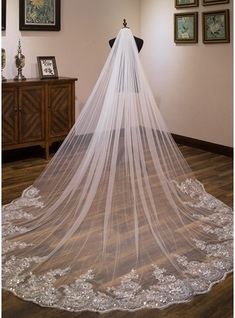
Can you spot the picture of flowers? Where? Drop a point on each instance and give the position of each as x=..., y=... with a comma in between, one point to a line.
x=216, y=27
x=186, y=27
x=186, y=3
x=213, y=2
x=40, y=15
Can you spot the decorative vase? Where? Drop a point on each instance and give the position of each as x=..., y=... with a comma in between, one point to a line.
x=3, y=63
x=20, y=63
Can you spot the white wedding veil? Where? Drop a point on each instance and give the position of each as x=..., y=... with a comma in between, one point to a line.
x=117, y=220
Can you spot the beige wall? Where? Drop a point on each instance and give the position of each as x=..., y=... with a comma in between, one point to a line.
x=80, y=48
x=191, y=83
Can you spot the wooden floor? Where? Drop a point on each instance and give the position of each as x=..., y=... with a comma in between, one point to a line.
x=214, y=171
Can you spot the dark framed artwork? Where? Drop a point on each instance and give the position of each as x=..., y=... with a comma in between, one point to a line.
x=186, y=27
x=181, y=4
x=215, y=25
x=39, y=15
x=4, y=15
x=213, y=2
x=47, y=67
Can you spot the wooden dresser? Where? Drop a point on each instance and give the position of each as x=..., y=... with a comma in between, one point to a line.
x=37, y=112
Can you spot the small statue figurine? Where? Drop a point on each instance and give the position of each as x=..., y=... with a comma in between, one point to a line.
x=3, y=63
x=20, y=63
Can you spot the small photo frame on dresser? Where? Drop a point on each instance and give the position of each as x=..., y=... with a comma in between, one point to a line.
x=47, y=67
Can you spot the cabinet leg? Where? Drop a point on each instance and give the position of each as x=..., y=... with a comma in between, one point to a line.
x=47, y=152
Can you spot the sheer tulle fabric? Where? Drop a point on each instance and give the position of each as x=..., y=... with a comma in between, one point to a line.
x=117, y=220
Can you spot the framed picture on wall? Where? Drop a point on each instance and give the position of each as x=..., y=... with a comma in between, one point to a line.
x=216, y=27
x=47, y=67
x=3, y=15
x=181, y=4
x=213, y=2
x=39, y=15
x=186, y=27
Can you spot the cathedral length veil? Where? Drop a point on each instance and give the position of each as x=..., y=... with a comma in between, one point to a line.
x=117, y=220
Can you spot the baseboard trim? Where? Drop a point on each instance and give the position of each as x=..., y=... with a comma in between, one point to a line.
x=204, y=145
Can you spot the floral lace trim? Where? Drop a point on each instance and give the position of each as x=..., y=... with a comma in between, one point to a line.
x=222, y=216
x=14, y=211
x=10, y=246
x=129, y=295
x=29, y=198
x=216, y=250
x=201, y=199
x=198, y=277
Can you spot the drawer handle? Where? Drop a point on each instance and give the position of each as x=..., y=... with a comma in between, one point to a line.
x=15, y=109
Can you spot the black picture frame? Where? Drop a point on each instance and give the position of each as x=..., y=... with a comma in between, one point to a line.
x=25, y=10
x=220, y=30
x=213, y=2
x=4, y=5
x=184, y=39
x=194, y=3
x=47, y=67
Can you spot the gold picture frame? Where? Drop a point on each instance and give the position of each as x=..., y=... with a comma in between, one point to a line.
x=216, y=26
x=186, y=27
x=213, y=2
x=181, y=4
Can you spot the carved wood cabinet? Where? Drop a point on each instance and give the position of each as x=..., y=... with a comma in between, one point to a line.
x=37, y=112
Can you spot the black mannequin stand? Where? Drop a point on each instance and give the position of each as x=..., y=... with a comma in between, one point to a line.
x=139, y=42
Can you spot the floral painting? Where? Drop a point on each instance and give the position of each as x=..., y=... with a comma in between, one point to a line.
x=40, y=15
x=186, y=27
x=186, y=3
x=213, y=2
x=40, y=12
x=216, y=26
